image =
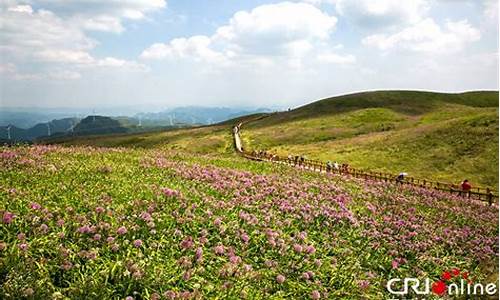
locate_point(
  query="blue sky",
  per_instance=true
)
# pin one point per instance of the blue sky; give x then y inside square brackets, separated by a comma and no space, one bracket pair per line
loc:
[152,54]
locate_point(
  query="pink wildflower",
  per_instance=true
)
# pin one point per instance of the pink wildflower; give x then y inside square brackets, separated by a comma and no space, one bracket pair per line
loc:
[122,230]
[280,279]
[363,284]
[23,246]
[199,254]
[146,216]
[310,249]
[44,228]
[187,243]
[219,250]
[315,295]
[235,259]
[297,248]
[35,206]
[245,238]
[137,243]
[84,229]
[8,217]
[395,264]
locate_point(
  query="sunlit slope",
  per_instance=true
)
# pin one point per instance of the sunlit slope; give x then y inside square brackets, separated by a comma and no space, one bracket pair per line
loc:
[209,139]
[205,139]
[437,136]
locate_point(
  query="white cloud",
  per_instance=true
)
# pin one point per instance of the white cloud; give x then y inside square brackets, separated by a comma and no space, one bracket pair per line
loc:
[336,59]
[111,62]
[25,33]
[427,36]
[64,56]
[490,13]
[278,23]
[21,9]
[7,68]
[103,23]
[64,75]
[283,32]
[197,47]
[48,41]
[380,13]
[107,16]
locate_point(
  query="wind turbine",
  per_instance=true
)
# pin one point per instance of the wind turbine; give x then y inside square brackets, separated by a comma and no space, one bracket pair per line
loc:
[48,128]
[93,115]
[8,131]
[140,121]
[73,124]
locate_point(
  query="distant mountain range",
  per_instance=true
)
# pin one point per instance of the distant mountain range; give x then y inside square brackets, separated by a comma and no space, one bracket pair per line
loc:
[13,125]
[60,126]
[198,115]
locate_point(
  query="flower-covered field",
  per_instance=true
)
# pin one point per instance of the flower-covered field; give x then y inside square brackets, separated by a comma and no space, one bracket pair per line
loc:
[90,223]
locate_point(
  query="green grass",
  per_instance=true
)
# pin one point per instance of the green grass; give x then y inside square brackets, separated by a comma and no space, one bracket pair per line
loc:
[436,136]
[357,229]
[446,137]
[207,139]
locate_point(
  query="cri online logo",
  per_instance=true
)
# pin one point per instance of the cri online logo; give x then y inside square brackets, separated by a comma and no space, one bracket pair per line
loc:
[453,283]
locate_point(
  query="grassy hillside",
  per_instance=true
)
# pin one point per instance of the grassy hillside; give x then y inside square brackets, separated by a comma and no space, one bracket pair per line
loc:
[207,139]
[204,139]
[105,223]
[439,136]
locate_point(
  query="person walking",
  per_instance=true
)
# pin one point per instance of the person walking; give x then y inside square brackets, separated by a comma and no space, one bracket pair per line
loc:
[401,177]
[466,187]
[328,166]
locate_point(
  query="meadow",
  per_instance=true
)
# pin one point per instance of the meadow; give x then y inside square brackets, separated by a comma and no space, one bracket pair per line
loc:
[85,222]
[435,136]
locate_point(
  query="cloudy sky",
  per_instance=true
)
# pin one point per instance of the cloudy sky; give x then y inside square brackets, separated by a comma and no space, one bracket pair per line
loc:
[164,53]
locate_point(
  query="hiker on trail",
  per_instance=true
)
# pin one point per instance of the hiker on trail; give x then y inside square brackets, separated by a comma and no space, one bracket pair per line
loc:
[465,186]
[302,159]
[336,166]
[401,177]
[328,166]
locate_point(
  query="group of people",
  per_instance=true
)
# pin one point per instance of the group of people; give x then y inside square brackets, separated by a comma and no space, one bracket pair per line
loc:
[336,167]
[465,186]
[264,154]
[297,160]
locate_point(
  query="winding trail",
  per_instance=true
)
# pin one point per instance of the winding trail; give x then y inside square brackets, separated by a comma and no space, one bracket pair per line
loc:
[484,194]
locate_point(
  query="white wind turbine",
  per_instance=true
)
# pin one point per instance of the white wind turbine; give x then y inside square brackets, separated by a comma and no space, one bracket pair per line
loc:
[8,131]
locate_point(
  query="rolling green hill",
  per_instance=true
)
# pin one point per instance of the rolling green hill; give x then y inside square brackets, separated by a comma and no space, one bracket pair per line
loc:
[438,136]
[446,137]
